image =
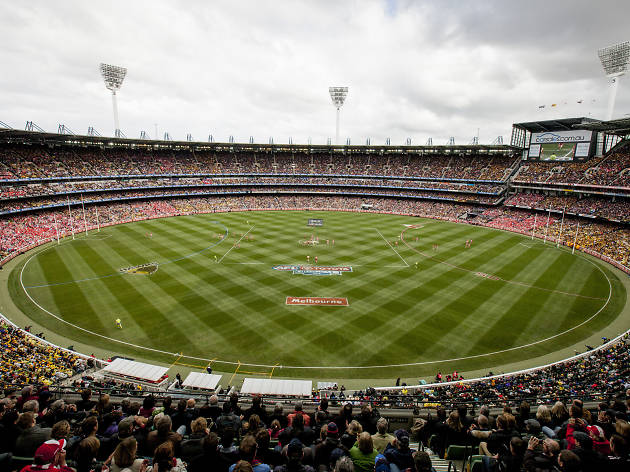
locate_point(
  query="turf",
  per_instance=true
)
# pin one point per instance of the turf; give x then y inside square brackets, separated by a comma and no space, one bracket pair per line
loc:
[504,299]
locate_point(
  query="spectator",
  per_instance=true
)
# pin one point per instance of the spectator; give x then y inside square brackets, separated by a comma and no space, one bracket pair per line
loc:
[49,457]
[363,453]
[382,438]
[164,459]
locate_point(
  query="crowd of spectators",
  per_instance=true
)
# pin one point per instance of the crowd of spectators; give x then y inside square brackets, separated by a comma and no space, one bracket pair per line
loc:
[27,359]
[612,170]
[608,239]
[39,161]
[602,207]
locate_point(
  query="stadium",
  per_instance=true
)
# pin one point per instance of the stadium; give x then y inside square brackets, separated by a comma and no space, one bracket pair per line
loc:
[451,293]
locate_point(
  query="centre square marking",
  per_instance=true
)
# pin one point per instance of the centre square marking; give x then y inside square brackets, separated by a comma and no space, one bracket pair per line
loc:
[321,301]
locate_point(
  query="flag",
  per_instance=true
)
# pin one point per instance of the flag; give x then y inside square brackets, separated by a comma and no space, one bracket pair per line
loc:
[580,100]
[541,106]
[554,104]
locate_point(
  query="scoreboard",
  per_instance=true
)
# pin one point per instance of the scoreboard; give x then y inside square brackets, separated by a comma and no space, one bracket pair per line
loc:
[561,145]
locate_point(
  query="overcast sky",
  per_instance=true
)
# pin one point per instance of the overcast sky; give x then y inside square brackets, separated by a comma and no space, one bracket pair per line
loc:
[262,68]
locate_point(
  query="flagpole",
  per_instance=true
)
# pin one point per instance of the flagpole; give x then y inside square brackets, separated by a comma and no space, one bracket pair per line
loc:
[84,221]
[70,216]
[56,227]
[534,228]
[575,239]
[561,224]
[547,227]
[98,226]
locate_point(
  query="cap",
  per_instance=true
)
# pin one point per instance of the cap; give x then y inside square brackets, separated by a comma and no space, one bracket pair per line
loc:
[295,446]
[332,429]
[46,453]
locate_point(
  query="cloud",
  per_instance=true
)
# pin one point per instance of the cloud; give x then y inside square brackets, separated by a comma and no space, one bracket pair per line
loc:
[263,68]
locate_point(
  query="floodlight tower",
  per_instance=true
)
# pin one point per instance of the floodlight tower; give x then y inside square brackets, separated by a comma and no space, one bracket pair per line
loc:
[615,62]
[113,77]
[338,95]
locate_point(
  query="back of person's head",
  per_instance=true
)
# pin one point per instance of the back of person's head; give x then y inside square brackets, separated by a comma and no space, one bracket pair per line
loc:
[242,466]
[348,440]
[163,456]
[209,444]
[248,448]
[214,400]
[454,421]
[89,425]
[323,404]
[86,394]
[190,403]
[524,409]
[482,422]
[510,420]
[346,410]
[569,461]
[275,425]
[365,443]
[382,425]
[501,421]
[441,414]
[167,402]
[298,422]
[60,430]
[622,429]
[227,408]
[462,411]
[199,425]
[575,411]
[517,446]
[344,464]
[263,439]
[543,415]
[257,401]
[278,409]
[86,453]
[618,445]
[484,410]
[181,405]
[164,426]
[31,405]
[298,406]
[148,402]
[26,420]
[559,411]
[354,428]
[125,452]
[422,462]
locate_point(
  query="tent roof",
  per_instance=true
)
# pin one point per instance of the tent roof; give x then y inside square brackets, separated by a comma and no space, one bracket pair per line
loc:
[137,370]
[202,380]
[277,387]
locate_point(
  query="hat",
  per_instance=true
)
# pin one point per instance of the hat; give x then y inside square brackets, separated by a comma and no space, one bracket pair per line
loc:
[46,453]
[336,454]
[596,431]
[332,429]
[582,437]
[125,426]
[295,446]
[381,464]
[533,424]
[402,436]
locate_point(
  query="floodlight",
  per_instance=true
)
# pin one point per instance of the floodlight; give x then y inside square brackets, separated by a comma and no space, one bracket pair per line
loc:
[338,95]
[113,77]
[615,63]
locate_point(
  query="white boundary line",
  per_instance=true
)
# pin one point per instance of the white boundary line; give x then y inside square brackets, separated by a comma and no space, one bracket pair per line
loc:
[408,364]
[392,247]
[232,247]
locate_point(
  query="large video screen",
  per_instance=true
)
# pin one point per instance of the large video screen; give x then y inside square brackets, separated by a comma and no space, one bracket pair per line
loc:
[560,145]
[557,151]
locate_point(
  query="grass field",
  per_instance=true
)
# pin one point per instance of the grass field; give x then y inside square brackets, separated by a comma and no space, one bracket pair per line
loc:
[216,296]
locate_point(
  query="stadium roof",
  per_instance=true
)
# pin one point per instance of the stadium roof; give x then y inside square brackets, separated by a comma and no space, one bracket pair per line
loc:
[8,135]
[136,370]
[620,127]
[564,124]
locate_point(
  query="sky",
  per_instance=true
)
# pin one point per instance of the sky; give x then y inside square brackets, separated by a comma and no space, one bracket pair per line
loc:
[262,68]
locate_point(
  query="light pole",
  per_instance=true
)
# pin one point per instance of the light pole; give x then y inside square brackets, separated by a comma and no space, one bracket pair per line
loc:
[338,95]
[615,63]
[113,77]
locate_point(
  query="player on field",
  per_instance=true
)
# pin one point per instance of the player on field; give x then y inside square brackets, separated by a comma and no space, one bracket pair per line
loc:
[118,323]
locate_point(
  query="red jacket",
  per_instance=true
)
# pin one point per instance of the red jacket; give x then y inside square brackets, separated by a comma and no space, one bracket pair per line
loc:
[50,468]
[307,419]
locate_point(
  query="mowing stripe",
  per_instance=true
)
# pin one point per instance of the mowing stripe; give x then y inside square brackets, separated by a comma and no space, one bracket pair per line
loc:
[392,247]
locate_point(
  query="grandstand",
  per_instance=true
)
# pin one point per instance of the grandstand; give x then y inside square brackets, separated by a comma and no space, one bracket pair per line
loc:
[48,181]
